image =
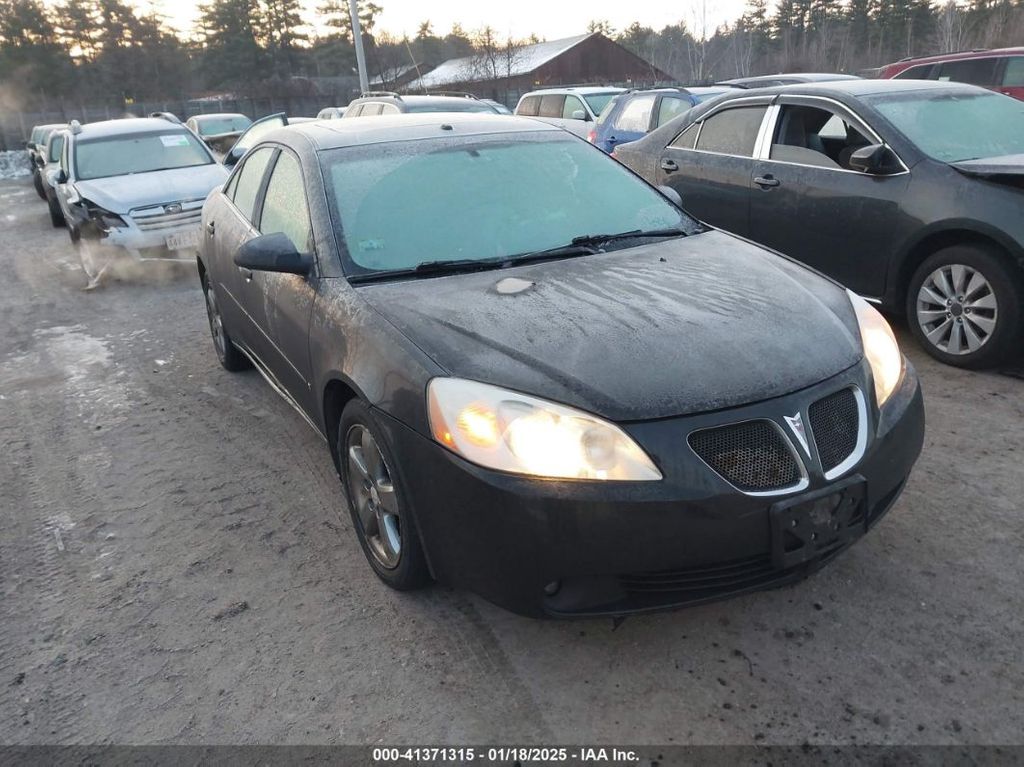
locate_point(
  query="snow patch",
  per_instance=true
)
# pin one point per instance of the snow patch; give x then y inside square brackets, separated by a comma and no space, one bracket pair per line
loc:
[14,164]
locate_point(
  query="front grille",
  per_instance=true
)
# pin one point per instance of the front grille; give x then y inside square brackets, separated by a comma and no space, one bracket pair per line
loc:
[752,456]
[698,582]
[835,423]
[156,218]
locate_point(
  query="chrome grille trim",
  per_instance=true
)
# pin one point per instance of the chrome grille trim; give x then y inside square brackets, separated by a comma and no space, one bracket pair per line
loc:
[862,435]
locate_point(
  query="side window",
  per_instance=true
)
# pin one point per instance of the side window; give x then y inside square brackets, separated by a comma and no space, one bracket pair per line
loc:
[371,110]
[686,139]
[973,71]
[1013,77]
[355,111]
[732,131]
[920,72]
[529,107]
[551,106]
[671,107]
[284,206]
[249,179]
[573,105]
[389,109]
[64,152]
[636,115]
[813,136]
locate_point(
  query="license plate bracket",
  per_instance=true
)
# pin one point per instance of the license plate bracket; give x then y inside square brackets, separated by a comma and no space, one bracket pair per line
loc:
[188,239]
[813,525]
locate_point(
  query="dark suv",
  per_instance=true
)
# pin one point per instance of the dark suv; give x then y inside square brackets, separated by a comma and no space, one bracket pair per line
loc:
[1000,69]
[388,103]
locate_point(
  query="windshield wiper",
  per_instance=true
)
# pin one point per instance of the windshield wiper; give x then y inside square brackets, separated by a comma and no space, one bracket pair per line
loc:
[428,268]
[601,239]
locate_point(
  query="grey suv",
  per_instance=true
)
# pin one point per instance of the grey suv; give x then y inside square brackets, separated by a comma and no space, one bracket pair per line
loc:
[388,103]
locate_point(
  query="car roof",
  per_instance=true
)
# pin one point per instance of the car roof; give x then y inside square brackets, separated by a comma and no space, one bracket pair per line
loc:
[218,115]
[582,90]
[127,126]
[856,88]
[807,77]
[333,134]
[977,53]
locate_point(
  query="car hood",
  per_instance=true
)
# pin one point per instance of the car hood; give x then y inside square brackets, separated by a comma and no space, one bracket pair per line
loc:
[992,167]
[672,328]
[120,194]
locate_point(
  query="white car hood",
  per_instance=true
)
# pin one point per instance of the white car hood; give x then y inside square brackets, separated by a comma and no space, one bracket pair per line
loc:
[120,194]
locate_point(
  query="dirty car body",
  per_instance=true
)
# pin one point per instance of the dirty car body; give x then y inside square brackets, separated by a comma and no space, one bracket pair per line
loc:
[563,421]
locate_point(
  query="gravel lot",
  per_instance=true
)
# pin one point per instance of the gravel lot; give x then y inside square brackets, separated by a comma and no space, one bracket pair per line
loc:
[177,566]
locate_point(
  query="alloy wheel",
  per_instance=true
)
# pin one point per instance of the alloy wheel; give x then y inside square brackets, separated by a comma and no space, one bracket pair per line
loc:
[373,494]
[957,309]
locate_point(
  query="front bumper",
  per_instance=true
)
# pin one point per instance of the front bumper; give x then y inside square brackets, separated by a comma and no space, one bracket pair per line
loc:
[147,231]
[616,548]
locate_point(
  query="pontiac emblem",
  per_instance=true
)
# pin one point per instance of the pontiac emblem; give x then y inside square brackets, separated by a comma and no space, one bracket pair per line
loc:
[174,207]
[796,424]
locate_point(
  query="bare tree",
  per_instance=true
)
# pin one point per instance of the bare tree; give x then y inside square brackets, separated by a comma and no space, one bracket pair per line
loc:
[951,27]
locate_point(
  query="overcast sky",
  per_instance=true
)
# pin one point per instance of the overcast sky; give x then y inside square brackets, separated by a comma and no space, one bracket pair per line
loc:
[549,19]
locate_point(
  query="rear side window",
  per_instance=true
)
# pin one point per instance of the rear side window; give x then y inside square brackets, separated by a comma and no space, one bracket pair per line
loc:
[249,179]
[572,106]
[56,146]
[284,206]
[671,107]
[920,72]
[686,139]
[636,115]
[732,131]
[371,109]
[551,106]
[1013,77]
[529,106]
[388,109]
[973,71]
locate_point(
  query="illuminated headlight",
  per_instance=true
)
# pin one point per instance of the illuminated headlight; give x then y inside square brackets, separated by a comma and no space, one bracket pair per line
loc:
[880,348]
[513,432]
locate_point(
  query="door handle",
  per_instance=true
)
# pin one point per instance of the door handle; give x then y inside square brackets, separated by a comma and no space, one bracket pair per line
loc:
[766,182]
[211,227]
[247,273]
[670,165]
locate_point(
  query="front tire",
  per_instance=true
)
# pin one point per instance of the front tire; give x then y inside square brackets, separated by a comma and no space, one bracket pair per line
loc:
[56,214]
[964,306]
[230,358]
[378,502]
[37,182]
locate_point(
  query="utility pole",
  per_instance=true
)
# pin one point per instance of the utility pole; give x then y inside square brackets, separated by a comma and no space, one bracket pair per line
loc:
[357,39]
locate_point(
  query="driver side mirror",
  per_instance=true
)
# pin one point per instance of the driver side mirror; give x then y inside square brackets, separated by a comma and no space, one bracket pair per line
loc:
[579,114]
[671,195]
[875,159]
[62,176]
[273,253]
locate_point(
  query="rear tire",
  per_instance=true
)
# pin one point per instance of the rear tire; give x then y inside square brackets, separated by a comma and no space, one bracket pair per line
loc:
[56,214]
[965,306]
[378,501]
[228,355]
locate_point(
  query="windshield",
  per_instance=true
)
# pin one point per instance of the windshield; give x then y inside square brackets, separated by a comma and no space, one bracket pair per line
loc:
[452,105]
[213,126]
[955,126]
[56,146]
[138,153]
[598,101]
[404,204]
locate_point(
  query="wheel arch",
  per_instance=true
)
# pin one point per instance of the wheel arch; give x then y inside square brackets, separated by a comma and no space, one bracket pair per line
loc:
[338,391]
[935,240]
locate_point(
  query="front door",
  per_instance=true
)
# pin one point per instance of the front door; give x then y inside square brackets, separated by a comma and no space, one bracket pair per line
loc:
[808,203]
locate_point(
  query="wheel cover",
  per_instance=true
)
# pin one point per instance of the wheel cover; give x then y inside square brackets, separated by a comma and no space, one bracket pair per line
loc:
[373,495]
[216,323]
[957,309]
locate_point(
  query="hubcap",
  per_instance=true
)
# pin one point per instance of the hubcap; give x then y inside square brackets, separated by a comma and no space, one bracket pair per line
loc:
[956,309]
[216,323]
[373,494]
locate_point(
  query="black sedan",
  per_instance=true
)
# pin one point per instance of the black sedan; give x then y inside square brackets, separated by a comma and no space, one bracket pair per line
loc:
[909,193]
[539,379]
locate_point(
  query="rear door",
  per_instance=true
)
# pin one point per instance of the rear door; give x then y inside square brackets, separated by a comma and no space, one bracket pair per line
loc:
[226,230]
[808,202]
[710,164]
[632,121]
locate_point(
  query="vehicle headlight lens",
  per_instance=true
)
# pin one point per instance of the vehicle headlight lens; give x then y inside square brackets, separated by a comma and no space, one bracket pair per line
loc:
[514,432]
[880,348]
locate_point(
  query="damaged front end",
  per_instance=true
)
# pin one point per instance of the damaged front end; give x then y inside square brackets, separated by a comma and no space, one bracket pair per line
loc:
[97,223]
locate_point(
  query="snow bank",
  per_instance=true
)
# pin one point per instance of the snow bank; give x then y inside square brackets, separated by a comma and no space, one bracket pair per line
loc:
[14,164]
